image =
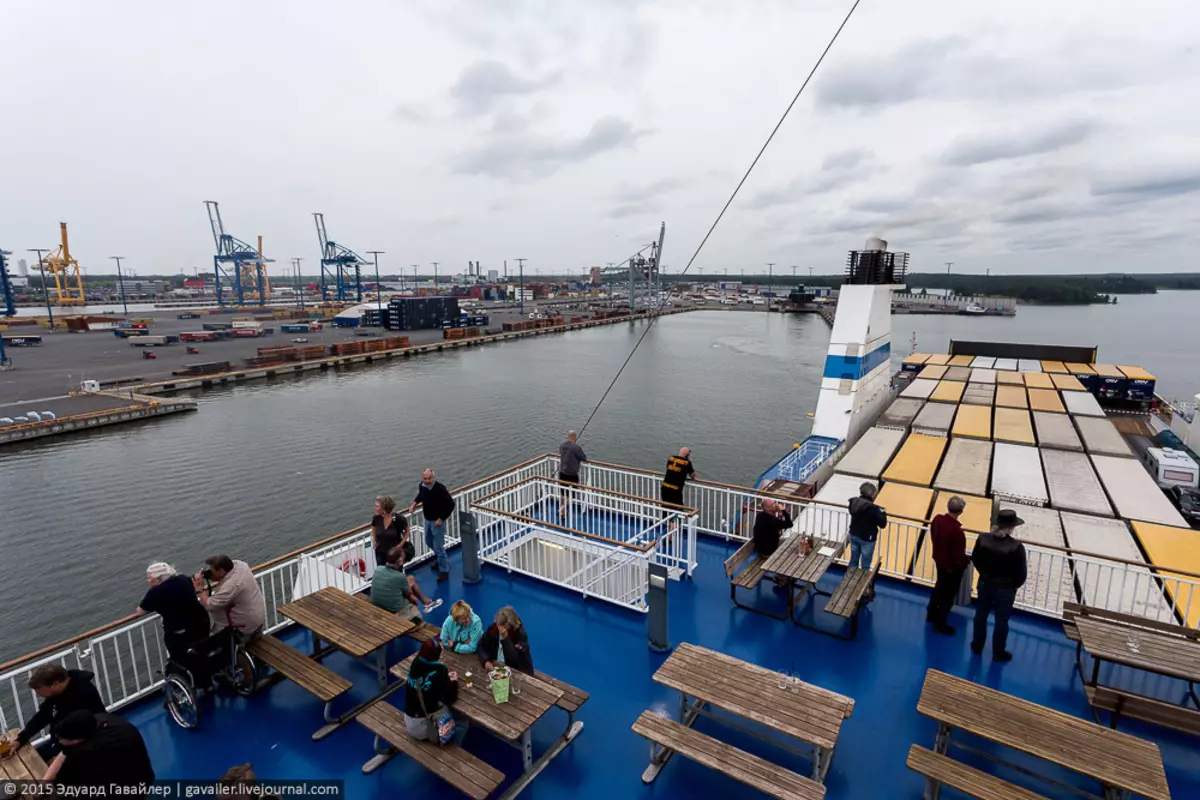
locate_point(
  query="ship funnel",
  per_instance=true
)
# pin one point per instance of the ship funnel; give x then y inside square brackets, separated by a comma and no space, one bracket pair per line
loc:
[875,243]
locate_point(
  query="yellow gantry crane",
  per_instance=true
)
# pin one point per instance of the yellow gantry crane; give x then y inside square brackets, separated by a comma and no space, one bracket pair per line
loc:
[68,283]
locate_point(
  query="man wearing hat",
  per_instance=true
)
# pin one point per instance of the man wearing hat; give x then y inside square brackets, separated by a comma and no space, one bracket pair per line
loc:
[100,750]
[1000,561]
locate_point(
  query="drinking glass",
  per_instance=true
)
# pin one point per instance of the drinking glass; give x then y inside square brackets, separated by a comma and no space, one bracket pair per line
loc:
[782,679]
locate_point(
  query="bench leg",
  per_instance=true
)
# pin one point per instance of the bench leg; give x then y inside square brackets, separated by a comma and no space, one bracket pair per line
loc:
[532,770]
[381,666]
[381,757]
[821,761]
[785,615]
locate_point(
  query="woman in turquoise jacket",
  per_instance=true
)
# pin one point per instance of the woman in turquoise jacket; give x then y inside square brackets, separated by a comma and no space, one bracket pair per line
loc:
[462,630]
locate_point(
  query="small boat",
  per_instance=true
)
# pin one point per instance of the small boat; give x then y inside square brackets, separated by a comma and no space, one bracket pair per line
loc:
[974,308]
[299,340]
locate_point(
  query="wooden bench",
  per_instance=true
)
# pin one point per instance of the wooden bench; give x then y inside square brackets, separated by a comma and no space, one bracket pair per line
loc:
[847,599]
[306,673]
[424,632]
[751,770]
[475,778]
[1144,708]
[940,769]
[751,564]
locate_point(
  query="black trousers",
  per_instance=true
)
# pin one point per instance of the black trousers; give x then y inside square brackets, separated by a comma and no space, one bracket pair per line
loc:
[941,600]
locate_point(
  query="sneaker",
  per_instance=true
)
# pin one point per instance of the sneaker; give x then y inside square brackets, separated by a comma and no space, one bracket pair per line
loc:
[977,649]
[944,629]
[1002,656]
[431,605]
[434,568]
[443,577]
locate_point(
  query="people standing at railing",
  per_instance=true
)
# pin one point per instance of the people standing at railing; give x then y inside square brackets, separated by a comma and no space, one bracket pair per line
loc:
[229,590]
[101,753]
[394,591]
[462,630]
[769,524]
[62,691]
[388,530]
[1000,561]
[950,557]
[866,520]
[173,597]
[505,642]
[437,505]
[570,459]
[679,469]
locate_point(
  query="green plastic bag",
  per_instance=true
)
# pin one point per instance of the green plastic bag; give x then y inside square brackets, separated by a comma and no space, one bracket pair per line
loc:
[500,684]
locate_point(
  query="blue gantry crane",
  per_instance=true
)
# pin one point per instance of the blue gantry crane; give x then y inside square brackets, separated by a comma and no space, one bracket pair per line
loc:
[340,266]
[241,265]
[10,310]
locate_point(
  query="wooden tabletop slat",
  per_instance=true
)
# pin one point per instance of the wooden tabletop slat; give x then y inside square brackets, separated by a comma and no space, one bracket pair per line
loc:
[1160,653]
[507,720]
[24,765]
[1111,757]
[810,713]
[787,561]
[352,625]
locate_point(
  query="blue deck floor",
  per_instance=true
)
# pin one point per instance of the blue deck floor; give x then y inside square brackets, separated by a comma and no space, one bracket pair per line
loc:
[603,650]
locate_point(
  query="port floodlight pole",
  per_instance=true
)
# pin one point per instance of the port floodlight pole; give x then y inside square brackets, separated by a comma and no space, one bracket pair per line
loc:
[121,282]
[299,280]
[45,290]
[435,277]
[770,274]
[378,287]
[521,291]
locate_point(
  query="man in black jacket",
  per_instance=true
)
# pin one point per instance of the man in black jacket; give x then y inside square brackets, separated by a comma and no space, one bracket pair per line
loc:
[866,520]
[769,524]
[437,505]
[1000,561]
[64,690]
[101,751]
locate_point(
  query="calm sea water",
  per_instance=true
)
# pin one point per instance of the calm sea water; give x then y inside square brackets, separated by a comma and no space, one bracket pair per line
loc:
[269,467]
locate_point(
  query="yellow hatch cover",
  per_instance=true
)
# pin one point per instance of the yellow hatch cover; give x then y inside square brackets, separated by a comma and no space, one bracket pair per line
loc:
[917,460]
[1068,383]
[1011,397]
[1168,546]
[1038,380]
[948,391]
[1046,400]
[973,421]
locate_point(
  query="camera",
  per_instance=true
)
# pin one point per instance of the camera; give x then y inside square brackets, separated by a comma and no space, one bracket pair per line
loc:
[206,573]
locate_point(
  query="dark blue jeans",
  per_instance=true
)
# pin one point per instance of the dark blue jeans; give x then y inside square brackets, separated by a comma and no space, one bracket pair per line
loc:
[996,600]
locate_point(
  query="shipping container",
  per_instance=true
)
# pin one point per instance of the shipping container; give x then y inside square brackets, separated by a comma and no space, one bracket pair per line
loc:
[198,336]
[938,358]
[1057,431]
[966,467]
[907,509]
[1101,437]
[1111,383]
[1174,547]
[917,460]
[920,389]
[1011,397]
[1134,493]
[1045,400]
[150,341]
[1073,483]
[1013,425]
[1009,364]
[961,361]
[958,374]
[973,421]
[933,373]
[983,375]
[871,453]
[935,419]
[1017,474]
[1086,376]
[1140,383]
[1067,383]
[1082,404]
[914,362]
[1037,380]
[1049,583]
[1124,589]
[980,394]
[900,413]
[948,391]
[983,362]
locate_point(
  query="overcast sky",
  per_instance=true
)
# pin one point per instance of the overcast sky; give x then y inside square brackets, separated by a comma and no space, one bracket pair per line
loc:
[1020,136]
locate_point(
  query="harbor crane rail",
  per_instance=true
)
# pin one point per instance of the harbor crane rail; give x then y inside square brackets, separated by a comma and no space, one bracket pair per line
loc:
[340,266]
[242,266]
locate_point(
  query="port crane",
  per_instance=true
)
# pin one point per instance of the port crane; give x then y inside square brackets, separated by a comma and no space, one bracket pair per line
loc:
[10,310]
[642,274]
[68,282]
[340,266]
[241,265]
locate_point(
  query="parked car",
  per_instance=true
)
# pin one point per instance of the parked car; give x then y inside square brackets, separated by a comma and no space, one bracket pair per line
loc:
[1187,501]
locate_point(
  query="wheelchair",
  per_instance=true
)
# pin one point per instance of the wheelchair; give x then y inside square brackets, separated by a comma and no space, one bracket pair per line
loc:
[218,659]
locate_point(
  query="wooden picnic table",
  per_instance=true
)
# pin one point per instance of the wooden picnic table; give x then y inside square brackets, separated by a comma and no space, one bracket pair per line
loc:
[789,563]
[23,765]
[800,711]
[1122,763]
[350,624]
[512,721]
[1157,652]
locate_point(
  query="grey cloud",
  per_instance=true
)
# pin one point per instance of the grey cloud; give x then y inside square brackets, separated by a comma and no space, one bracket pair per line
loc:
[838,170]
[1031,214]
[966,151]
[846,159]
[516,154]
[896,78]
[632,193]
[484,83]
[1165,183]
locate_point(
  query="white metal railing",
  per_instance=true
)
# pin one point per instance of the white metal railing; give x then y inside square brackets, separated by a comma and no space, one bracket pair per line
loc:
[127,658]
[800,464]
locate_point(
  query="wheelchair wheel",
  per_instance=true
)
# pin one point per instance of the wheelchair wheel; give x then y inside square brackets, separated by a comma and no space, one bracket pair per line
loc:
[245,675]
[181,701]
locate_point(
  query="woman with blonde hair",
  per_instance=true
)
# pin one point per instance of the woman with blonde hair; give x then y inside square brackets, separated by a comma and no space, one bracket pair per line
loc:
[462,629]
[505,642]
